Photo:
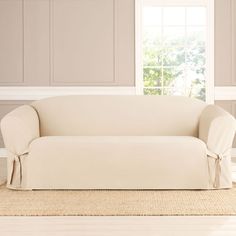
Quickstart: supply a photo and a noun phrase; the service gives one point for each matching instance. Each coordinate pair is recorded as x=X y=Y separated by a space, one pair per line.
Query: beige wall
x=67 y=42
x=225 y=42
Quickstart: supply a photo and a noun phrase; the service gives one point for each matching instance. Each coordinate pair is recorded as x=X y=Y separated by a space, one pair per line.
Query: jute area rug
x=117 y=203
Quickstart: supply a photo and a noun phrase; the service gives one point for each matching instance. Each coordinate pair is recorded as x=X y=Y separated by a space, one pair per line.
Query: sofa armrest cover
x=217 y=129
x=19 y=128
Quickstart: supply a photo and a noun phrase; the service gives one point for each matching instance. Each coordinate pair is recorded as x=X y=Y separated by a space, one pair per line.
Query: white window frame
x=209 y=4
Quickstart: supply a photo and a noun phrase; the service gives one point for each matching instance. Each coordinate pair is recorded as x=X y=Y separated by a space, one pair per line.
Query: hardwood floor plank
x=145 y=226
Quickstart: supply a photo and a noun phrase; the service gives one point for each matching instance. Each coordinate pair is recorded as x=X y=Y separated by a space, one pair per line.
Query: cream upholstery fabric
x=19 y=128
x=217 y=130
x=119 y=115
x=126 y=142
x=117 y=162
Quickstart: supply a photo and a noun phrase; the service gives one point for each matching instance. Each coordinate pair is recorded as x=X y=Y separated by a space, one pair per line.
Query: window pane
x=174 y=36
x=195 y=57
x=173 y=91
x=196 y=16
x=152 y=16
x=196 y=82
x=174 y=16
x=195 y=75
x=174 y=77
x=174 y=44
x=152 y=36
x=197 y=91
x=196 y=36
x=152 y=56
x=152 y=91
x=152 y=77
x=173 y=56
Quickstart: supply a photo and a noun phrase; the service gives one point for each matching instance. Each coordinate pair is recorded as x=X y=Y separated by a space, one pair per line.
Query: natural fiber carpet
x=117 y=203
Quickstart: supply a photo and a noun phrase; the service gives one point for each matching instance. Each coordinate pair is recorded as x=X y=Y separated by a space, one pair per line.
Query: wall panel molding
x=67 y=43
x=12 y=42
x=223 y=42
x=82 y=42
x=36 y=42
x=233 y=42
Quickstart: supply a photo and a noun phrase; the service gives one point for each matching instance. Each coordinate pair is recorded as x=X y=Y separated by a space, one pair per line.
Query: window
x=175 y=48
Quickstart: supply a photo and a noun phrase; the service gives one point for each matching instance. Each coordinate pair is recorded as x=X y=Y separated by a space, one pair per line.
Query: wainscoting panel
x=67 y=43
x=124 y=43
x=82 y=42
x=233 y=28
x=225 y=43
x=11 y=42
x=36 y=43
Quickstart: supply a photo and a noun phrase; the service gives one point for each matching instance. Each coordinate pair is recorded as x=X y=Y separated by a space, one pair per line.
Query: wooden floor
x=122 y=226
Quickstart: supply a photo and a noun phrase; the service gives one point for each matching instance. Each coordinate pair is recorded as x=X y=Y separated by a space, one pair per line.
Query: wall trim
x=233 y=46
x=210 y=50
x=225 y=93
x=36 y=93
x=3 y=153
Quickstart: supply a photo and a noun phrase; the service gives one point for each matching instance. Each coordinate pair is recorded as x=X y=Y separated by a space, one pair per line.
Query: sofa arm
x=19 y=128
x=217 y=129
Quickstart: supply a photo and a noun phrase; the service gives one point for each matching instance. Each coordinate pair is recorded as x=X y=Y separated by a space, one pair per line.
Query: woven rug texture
x=117 y=202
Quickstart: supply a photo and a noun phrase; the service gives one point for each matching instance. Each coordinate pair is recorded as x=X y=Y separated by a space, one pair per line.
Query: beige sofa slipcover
x=118 y=142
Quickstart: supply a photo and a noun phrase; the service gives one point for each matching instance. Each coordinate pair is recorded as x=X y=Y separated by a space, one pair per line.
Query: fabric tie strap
x=16 y=160
x=218 y=158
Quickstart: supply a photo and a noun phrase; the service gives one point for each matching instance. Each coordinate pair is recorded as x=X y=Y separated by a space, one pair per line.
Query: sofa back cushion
x=118 y=115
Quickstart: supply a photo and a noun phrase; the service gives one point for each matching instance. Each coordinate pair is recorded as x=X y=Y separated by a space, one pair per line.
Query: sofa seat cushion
x=118 y=162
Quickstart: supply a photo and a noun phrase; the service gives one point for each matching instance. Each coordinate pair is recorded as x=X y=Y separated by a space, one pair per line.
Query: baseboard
x=36 y=93
x=225 y=93
x=3 y=153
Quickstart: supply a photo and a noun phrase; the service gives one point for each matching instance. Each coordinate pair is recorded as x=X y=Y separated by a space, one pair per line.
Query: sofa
x=118 y=142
